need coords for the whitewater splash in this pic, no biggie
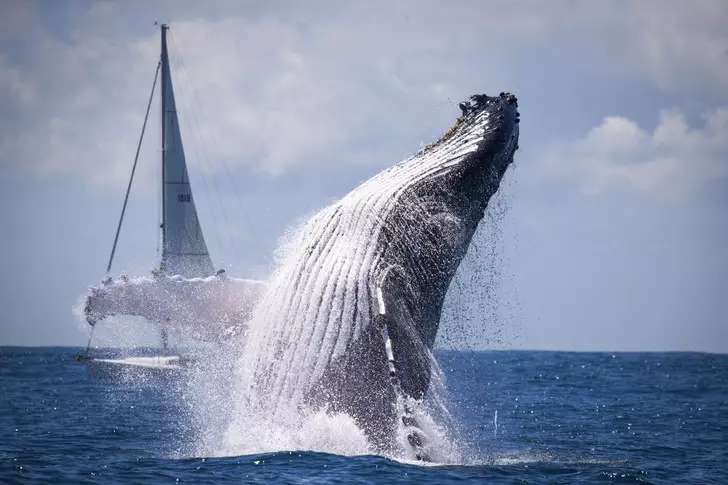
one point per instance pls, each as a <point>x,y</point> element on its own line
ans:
<point>196,309</point>
<point>337,356</point>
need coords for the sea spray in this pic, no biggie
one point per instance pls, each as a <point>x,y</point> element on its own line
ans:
<point>481,306</point>
<point>312,360</point>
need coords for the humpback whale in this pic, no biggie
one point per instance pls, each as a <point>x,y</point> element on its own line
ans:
<point>350,315</point>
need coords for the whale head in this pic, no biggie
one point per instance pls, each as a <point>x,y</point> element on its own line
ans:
<point>439,197</point>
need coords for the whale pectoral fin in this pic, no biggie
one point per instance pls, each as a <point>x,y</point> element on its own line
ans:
<point>411,354</point>
<point>405,354</point>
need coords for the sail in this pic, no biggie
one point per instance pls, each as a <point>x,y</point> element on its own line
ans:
<point>184,251</point>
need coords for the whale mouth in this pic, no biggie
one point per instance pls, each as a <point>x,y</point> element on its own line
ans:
<point>503,107</point>
<point>501,127</point>
<point>499,119</point>
<point>503,118</point>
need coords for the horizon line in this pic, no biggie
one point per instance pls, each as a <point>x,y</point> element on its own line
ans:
<point>11,346</point>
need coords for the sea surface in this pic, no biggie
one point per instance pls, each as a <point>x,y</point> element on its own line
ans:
<point>522,416</point>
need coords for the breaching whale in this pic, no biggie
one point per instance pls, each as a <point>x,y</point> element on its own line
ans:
<point>350,316</point>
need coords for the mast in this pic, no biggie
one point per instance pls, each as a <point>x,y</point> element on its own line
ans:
<point>165,81</point>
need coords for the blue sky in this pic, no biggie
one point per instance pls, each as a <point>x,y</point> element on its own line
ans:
<point>610,232</point>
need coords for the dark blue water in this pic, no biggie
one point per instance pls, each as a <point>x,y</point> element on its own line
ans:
<point>562,418</point>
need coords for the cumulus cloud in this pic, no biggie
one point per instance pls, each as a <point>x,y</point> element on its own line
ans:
<point>332,82</point>
<point>683,45</point>
<point>266,90</point>
<point>673,161</point>
<point>12,81</point>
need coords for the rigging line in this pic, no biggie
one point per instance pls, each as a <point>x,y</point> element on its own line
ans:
<point>90,336</point>
<point>133,169</point>
<point>204,184</point>
<point>236,191</point>
<point>205,159</point>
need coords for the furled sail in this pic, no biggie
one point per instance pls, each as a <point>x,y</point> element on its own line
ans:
<point>184,251</point>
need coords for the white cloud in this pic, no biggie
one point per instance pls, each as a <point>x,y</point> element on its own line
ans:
<point>681,47</point>
<point>673,161</point>
<point>21,89</point>
<point>265,91</point>
<point>684,45</point>
<point>316,84</point>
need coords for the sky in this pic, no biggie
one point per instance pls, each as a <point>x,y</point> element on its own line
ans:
<point>608,233</point>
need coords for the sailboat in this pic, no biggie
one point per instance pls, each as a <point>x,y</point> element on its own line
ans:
<point>185,294</point>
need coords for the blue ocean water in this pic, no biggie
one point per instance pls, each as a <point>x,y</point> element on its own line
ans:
<point>525,417</point>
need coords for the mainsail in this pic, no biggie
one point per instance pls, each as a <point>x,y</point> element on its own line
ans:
<point>184,251</point>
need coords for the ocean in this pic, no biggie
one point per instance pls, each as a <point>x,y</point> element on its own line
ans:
<point>517,417</point>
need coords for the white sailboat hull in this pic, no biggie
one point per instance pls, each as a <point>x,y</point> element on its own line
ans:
<point>135,367</point>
